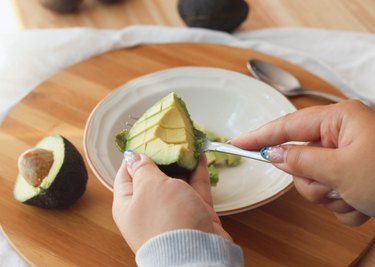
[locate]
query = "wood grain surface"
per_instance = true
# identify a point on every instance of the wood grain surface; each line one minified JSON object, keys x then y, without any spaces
{"x":286,"y":232}
{"x":330,"y":14}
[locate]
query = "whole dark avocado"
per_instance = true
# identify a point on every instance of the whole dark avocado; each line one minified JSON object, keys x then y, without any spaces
{"x":110,"y":1}
{"x":222,"y":15}
{"x":52,"y":186}
{"x":62,"y":6}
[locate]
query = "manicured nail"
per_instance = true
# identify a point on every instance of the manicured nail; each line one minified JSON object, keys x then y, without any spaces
{"x":131,"y":157}
{"x":273,"y":153}
{"x":333,"y":194}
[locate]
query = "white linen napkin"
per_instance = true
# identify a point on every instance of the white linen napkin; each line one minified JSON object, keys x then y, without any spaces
{"x":345,"y":59}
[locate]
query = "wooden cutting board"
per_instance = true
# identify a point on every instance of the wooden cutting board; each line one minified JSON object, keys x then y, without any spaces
{"x":286,"y":232}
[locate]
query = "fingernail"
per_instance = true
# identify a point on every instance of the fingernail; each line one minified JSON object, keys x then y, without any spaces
{"x":273,"y":153}
{"x":228,"y":141}
{"x":131,"y":157}
{"x":333,"y":194}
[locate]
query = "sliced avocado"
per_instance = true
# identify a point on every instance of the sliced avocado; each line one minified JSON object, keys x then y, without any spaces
{"x":52,"y":174}
{"x":210,"y":157}
{"x":209,"y":134}
{"x":164,"y":133}
{"x":215,"y":159}
{"x":233,"y":160}
{"x":213,"y":172}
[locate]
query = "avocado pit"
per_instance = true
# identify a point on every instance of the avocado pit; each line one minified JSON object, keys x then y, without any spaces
{"x":35,"y":164}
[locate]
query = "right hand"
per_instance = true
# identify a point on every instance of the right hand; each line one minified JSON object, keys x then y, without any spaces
{"x":339,"y":155}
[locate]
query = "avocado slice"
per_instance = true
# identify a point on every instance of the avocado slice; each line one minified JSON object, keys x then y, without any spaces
{"x":217,"y":159}
{"x":213,"y":172}
{"x":165,"y":133}
{"x":52,"y":174}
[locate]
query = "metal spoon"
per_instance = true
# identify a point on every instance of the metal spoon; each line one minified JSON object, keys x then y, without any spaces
{"x":283,"y":81}
{"x":208,"y":145}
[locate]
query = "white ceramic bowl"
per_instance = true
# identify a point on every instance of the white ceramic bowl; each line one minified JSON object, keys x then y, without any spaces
{"x":223,"y":101}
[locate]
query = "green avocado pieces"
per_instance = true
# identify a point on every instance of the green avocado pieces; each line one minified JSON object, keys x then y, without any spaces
{"x":164,"y":133}
{"x":215,"y":160}
{"x":51,"y":175}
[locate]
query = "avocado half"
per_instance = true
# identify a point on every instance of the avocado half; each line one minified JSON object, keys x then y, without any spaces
{"x":165,"y":133}
{"x":66,"y":176}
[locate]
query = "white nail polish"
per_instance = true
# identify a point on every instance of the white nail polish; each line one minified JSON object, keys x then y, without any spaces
{"x":131,"y":157}
{"x":333,"y":194}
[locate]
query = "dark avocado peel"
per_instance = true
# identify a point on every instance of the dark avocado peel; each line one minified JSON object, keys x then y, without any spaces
{"x":51,"y":175}
{"x":222,"y":15}
{"x":62,"y":6}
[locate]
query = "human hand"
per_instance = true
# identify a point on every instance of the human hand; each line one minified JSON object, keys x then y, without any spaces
{"x":147,"y":202}
{"x":339,"y":155}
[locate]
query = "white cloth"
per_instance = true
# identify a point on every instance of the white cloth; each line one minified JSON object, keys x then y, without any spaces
{"x":8,"y":256}
{"x":345,"y":59}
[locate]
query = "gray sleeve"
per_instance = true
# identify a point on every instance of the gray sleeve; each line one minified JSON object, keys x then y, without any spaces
{"x":187,"y":247}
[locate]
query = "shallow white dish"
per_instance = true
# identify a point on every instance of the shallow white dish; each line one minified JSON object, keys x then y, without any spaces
{"x":223,"y":101}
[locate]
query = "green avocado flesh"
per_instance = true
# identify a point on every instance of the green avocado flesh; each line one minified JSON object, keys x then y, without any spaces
{"x":167,"y":135}
{"x":216,"y":160}
{"x":164,"y":133}
{"x":65,"y":182}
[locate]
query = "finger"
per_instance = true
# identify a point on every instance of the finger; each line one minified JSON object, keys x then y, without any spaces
{"x":143,"y":171}
{"x":339,"y":206}
{"x":352,"y":218}
{"x":123,"y":185}
{"x":316,"y":163}
{"x":200,"y":181}
{"x":303,"y":125}
{"x":311,"y":190}
{"x":122,"y":189}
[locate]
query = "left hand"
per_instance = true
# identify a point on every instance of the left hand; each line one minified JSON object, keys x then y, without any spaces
{"x":147,"y":202}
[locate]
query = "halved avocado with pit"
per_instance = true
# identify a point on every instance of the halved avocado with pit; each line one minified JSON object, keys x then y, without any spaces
{"x":164,"y":133}
{"x":52,"y":174}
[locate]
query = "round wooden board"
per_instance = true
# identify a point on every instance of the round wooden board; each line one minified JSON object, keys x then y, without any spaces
{"x":286,"y":232}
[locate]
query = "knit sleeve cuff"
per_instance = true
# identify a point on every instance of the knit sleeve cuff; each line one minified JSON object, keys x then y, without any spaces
{"x":187,"y":247}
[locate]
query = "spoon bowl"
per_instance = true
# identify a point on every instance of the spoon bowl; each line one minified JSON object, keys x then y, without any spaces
{"x":283,"y":81}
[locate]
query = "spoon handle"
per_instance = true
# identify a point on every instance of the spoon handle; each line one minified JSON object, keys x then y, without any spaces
{"x":330,"y":97}
{"x":227,"y":148}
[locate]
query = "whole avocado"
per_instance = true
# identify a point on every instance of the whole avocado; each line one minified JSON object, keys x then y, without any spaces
{"x":222,"y":15}
{"x":110,"y":1}
{"x":62,"y":6}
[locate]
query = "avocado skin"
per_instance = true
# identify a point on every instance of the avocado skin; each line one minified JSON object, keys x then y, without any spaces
{"x":69,"y":184}
{"x":174,"y":170}
{"x":62,"y":6}
{"x":110,"y":1}
{"x":222,"y":15}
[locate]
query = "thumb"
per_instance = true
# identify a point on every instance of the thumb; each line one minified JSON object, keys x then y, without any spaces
{"x":122,"y":191}
{"x":316,"y":163}
{"x":142,"y":170}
